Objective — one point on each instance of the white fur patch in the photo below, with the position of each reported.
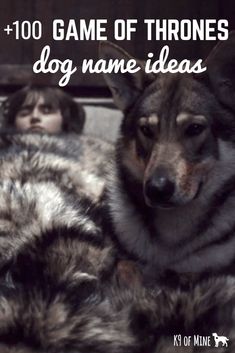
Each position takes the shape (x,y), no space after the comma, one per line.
(184,117)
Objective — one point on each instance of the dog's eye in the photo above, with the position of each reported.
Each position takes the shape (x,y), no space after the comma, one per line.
(194,130)
(146,131)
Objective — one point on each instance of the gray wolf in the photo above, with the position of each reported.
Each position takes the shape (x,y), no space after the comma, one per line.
(220,339)
(172,193)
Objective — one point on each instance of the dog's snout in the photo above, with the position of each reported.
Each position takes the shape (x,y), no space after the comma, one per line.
(159,188)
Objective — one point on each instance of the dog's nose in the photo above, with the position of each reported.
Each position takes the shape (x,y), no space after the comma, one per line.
(159,188)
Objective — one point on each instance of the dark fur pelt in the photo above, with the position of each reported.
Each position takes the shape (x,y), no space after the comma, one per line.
(119,319)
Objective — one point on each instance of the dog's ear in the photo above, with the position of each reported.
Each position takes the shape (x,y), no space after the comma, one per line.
(125,87)
(221,70)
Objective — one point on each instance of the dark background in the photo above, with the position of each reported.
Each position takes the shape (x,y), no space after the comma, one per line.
(17,57)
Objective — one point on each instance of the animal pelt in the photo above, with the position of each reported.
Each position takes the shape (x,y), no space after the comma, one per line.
(118,319)
(49,184)
(52,242)
(74,163)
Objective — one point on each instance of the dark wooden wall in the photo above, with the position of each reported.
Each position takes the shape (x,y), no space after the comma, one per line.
(17,57)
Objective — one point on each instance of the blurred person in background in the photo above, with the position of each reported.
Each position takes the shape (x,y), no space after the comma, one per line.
(42,110)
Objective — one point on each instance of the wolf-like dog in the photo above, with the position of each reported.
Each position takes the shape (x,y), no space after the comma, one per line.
(171,192)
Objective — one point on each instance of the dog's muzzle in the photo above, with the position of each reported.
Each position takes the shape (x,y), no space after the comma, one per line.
(159,189)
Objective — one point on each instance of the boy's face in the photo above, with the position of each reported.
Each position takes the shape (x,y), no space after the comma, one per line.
(39,117)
